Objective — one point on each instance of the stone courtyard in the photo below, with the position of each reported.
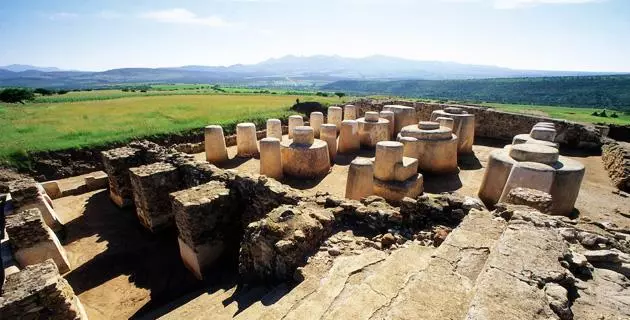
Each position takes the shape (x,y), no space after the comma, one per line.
(173,236)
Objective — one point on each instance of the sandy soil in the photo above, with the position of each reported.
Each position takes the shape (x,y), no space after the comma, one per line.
(119,270)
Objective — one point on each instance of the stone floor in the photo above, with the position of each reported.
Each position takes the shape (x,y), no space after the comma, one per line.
(122,271)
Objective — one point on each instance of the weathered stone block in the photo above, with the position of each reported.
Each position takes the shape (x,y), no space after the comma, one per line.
(39,292)
(207,222)
(33,242)
(274,247)
(23,191)
(117,163)
(152,185)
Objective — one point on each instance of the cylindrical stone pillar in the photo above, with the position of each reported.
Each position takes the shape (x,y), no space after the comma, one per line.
(335,116)
(316,121)
(270,158)
(372,129)
(410,147)
(543,133)
(389,116)
(360,179)
(496,175)
(350,112)
(246,140)
(328,134)
(566,186)
(388,154)
(294,121)
(349,137)
(463,127)
(533,175)
(403,116)
(303,135)
(445,122)
(214,143)
(274,129)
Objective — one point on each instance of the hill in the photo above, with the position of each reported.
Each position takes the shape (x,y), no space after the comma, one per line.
(288,70)
(584,91)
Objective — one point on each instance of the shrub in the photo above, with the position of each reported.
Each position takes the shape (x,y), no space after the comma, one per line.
(595,113)
(614,115)
(340,94)
(14,95)
(62,91)
(44,92)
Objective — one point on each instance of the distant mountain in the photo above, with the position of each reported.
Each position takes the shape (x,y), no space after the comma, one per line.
(288,70)
(25,67)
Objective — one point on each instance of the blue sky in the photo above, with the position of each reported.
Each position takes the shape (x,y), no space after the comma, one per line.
(587,35)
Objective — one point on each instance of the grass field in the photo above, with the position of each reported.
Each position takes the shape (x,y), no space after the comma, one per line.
(55,126)
(573,114)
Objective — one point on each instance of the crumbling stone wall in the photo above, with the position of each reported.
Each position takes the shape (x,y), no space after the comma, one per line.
(39,292)
(616,158)
(26,228)
(151,186)
(495,124)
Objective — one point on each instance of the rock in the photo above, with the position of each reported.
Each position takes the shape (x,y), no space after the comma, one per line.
(387,240)
(576,259)
(603,256)
(440,235)
(536,199)
(569,234)
(590,240)
(334,251)
(558,300)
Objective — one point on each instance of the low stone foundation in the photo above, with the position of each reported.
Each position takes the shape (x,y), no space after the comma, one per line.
(39,292)
(616,158)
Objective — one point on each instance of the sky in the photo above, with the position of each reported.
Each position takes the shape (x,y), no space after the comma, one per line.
(569,35)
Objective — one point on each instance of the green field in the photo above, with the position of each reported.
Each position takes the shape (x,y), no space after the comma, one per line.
(582,115)
(54,126)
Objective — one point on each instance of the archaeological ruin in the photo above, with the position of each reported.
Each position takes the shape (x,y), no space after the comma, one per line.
(377,209)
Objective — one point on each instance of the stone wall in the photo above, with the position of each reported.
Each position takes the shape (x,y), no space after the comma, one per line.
(39,292)
(494,124)
(26,229)
(616,158)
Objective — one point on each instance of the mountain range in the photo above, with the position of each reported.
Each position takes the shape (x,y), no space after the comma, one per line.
(286,71)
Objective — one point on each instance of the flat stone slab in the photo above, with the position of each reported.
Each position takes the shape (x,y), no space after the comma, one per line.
(534,153)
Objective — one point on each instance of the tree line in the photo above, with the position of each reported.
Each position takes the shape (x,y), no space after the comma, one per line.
(610,92)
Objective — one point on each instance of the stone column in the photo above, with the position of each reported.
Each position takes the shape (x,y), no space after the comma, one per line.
(497,171)
(294,121)
(316,121)
(350,112)
(303,135)
(566,186)
(270,158)
(372,129)
(305,156)
(543,133)
(531,175)
(335,116)
(403,116)
(410,147)
(33,242)
(214,142)
(389,116)
(349,137)
(360,179)
(463,126)
(246,140)
(328,134)
(388,154)
(445,122)
(274,129)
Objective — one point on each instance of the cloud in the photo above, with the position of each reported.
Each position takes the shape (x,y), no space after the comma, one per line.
(183,16)
(62,16)
(515,4)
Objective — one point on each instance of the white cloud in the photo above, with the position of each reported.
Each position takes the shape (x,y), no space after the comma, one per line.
(62,16)
(183,16)
(515,4)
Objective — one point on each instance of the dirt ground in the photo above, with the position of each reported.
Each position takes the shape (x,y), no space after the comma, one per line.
(120,270)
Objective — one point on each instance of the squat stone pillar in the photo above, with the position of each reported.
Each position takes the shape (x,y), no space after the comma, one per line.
(328,134)
(305,156)
(350,112)
(372,129)
(388,154)
(389,116)
(463,127)
(270,158)
(294,121)
(316,121)
(496,174)
(445,122)
(410,147)
(274,129)
(349,137)
(566,185)
(395,176)
(246,140)
(335,116)
(360,179)
(532,175)
(403,116)
(436,146)
(543,133)
(214,143)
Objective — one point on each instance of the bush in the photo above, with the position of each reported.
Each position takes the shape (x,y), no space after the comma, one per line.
(614,115)
(595,114)
(308,107)
(62,91)
(15,95)
(340,94)
(44,92)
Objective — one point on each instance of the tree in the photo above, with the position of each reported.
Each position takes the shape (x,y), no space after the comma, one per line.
(340,94)
(44,92)
(15,95)
(62,91)
(603,114)
(595,113)
(614,115)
